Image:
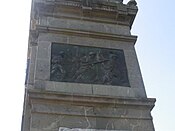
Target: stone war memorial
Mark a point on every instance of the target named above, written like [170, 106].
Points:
[82, 70]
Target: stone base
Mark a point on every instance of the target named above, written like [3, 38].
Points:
[49, 111]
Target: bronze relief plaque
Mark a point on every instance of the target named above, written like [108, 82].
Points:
[89, 65]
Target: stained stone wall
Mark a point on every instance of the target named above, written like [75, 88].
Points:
[50, 112]
[57, 105]
[43, 58]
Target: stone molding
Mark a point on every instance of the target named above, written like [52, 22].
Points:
[90, 106]
[44, 29]
[147, 103]
[120, 13]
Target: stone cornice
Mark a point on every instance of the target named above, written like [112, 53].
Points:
[91, 34]
[117, 12]
[75, 98]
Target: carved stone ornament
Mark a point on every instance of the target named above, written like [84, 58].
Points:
[132, 3]
[90, 2]
[90, 65]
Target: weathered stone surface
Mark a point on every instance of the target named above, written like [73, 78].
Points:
[52, 111]
[42, 69]
[92, 26]
[72, 88]
[134, 74]
[44, 50]
[32, 63]
[82, 25]
[89, 89]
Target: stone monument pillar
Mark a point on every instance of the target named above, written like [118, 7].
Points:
[83, 73]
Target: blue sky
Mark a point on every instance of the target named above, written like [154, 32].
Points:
[155, 27]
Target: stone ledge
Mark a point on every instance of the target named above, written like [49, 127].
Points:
[88, 99]
[45, 103]
[89, 89]
[71, 109]
[124, 38]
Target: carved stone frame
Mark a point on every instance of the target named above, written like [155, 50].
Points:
[42, 67]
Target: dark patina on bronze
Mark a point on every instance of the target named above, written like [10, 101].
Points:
[90, 65]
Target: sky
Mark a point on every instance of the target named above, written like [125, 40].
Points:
[155, 27]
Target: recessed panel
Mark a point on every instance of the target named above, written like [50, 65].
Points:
[89, 65]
